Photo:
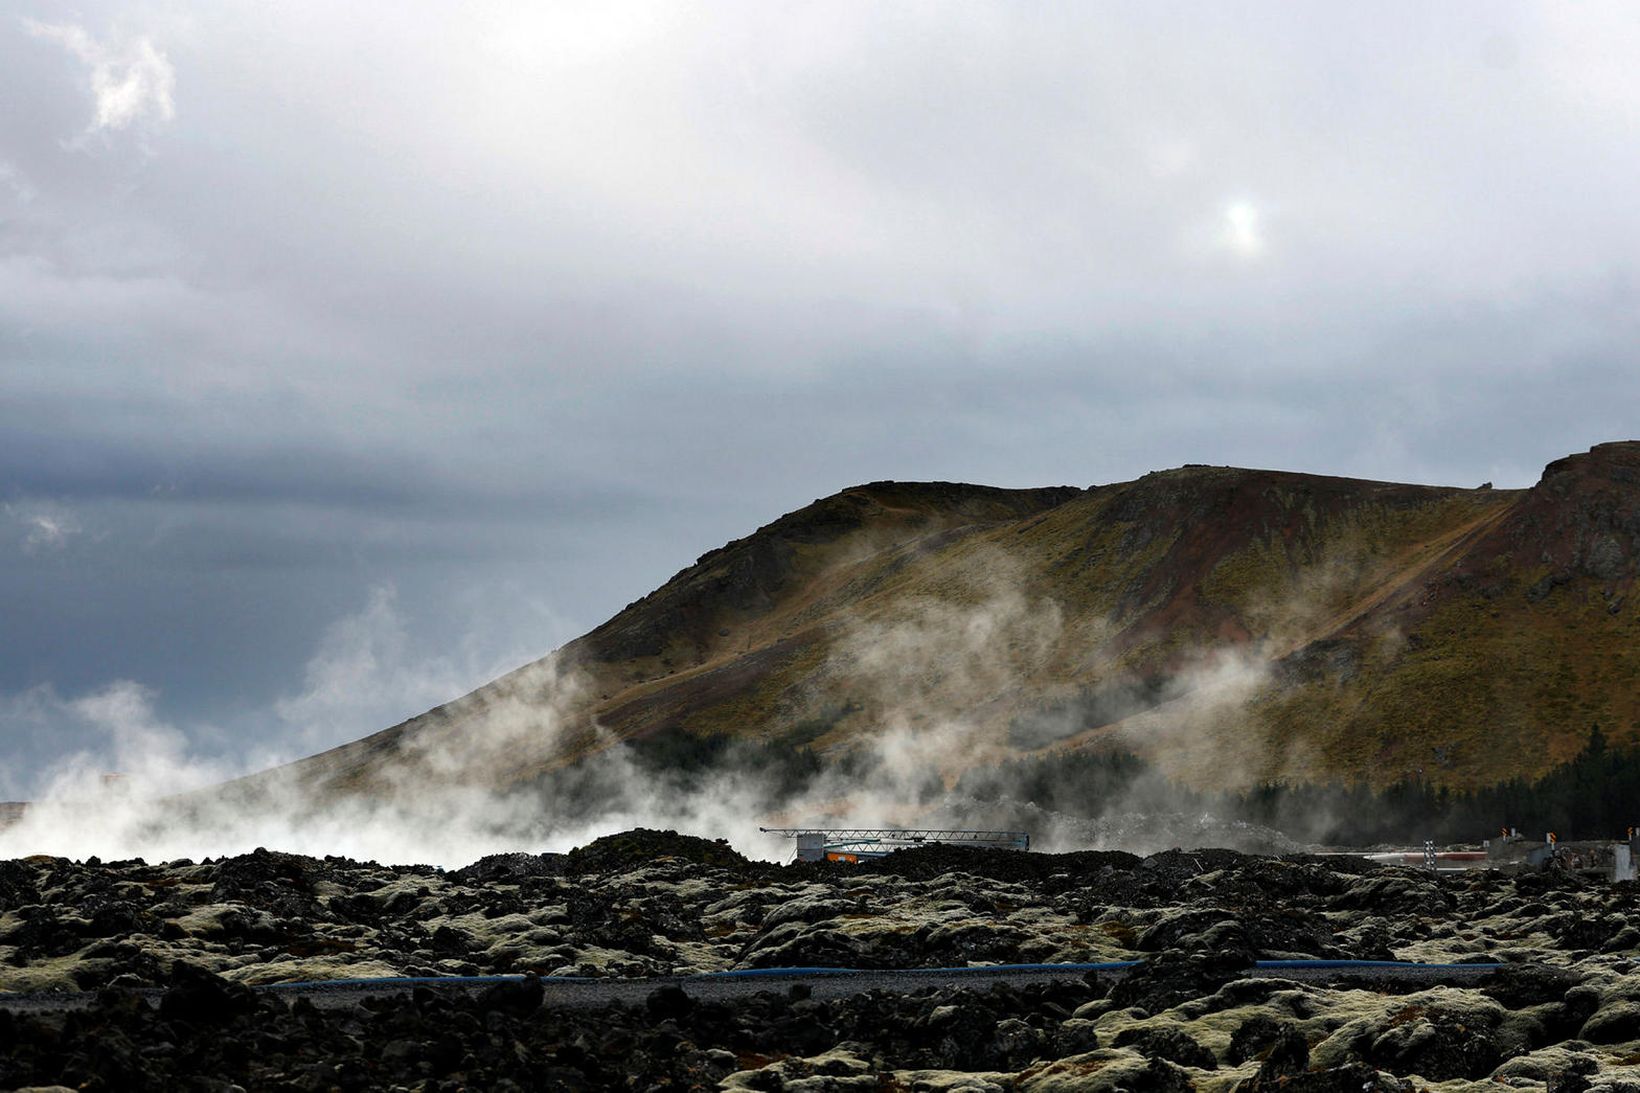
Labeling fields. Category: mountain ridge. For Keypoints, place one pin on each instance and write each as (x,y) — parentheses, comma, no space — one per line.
(1231,625)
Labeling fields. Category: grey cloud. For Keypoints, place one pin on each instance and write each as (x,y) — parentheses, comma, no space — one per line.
(38,527)
(131,82)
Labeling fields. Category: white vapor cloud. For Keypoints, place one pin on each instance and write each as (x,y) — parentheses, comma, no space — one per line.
(117,730)
(131,82)
(365,675)
(140,745)
(940,674)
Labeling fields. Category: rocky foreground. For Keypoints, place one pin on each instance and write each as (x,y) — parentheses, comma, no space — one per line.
(647,903)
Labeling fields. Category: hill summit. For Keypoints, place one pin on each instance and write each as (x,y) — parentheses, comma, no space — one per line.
(1232,626)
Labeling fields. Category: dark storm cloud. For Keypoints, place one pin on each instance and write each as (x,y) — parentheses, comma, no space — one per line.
(300,303)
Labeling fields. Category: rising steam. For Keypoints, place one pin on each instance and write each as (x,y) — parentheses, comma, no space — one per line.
(942,679)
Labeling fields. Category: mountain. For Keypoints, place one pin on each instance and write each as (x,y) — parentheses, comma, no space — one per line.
(1230,625)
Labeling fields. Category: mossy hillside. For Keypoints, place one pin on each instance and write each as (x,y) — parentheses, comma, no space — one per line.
(1490,688)
(832,586)
(1485,683)
(1282,585)
(1470,634)
(756,590)
(1428,705)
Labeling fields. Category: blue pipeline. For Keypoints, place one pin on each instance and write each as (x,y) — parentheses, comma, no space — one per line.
(773,973)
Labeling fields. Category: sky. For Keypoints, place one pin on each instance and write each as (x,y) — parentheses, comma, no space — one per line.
(351,354)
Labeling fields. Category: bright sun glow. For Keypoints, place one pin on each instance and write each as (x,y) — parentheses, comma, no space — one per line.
(1242,231)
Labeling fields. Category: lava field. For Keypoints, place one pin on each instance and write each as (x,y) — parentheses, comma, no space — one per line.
(167,955)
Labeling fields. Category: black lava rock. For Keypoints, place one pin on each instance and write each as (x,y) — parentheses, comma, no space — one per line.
(668,1001)
(1169,1044)
(1353,1078)
(197,997)
(517,998)
(1167,979)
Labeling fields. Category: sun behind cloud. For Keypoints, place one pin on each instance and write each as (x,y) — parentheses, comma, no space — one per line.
(1243,228)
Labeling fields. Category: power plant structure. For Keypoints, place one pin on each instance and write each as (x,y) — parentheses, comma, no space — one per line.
(1509,852)
(1512,852)
(853,844)
(1597,859)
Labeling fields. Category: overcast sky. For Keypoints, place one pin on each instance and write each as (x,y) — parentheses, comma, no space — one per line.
(352,353)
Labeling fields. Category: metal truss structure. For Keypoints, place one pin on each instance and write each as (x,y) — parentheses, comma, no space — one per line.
(878,840)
